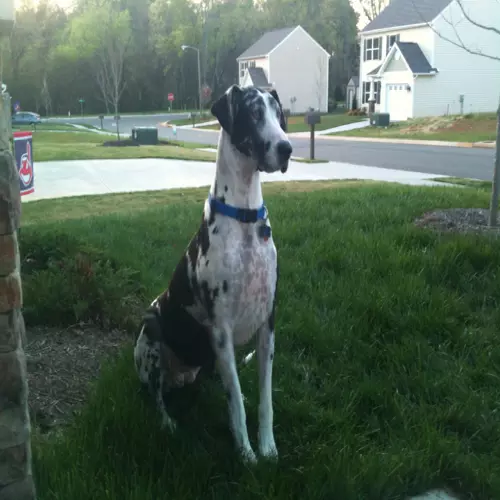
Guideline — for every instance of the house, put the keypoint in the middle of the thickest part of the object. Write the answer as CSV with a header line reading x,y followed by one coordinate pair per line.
x,y
412,63
292,62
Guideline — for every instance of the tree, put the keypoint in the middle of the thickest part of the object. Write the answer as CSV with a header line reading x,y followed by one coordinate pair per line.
x,y
320,82
454,19
371,8
102,35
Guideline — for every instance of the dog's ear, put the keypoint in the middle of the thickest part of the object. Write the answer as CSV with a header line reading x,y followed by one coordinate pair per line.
x,y
226,107
282,114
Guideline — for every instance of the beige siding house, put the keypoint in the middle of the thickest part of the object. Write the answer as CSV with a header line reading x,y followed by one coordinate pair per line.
x,y
412,65
292,62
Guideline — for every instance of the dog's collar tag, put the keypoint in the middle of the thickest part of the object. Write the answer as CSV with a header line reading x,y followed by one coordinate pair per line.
x,y
264,232
246,215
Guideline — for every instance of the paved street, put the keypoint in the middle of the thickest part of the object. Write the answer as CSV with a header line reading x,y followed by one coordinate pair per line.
x,y
443,160
127,122
460,162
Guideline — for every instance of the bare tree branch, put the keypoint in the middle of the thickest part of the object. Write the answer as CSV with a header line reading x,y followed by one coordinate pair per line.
x,y
459,42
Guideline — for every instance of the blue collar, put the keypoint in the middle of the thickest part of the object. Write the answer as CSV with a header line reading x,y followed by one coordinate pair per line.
x,y
247,215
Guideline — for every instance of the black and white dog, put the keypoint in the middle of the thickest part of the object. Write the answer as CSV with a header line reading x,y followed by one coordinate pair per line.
x,y
223,290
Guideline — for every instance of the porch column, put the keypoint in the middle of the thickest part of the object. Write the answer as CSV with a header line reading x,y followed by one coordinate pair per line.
x,y
371,98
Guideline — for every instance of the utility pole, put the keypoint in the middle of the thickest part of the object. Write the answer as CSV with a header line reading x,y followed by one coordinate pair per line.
x,y
495,188
186,47
16,479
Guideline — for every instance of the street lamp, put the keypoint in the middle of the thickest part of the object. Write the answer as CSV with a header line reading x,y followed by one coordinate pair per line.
x,y
187,47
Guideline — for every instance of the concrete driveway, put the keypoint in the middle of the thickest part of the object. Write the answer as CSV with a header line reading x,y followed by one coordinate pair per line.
x,y
86,177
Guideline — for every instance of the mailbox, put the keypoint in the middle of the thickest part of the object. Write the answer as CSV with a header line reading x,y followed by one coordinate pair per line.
x,y
312,118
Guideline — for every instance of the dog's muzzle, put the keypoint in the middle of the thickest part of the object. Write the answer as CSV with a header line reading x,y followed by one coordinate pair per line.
x,y
284,153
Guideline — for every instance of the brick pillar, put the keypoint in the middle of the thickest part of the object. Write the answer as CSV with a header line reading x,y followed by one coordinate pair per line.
x,y
16,481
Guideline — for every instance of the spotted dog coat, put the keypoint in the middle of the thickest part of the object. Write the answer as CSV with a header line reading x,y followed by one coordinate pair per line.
x,y
223,289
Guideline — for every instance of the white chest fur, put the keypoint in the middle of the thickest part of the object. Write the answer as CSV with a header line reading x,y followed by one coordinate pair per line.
x,y
242,267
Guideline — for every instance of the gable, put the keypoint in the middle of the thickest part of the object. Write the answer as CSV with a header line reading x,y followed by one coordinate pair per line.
x,y
266,43
396,64
399,13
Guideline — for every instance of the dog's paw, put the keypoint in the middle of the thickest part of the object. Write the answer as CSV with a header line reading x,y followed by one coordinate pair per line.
x,y
267,448
248,456
168,424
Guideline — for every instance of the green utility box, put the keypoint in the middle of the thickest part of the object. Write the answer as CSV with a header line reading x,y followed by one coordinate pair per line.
x,y
380,119
145,135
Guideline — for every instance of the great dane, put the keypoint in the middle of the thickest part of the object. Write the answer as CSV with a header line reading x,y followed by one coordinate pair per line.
x,y
223,290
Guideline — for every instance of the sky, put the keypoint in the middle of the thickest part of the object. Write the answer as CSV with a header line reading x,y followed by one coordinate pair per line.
x,y
67,3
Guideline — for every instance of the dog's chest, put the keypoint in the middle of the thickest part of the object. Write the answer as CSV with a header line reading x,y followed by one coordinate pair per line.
x,y
242,265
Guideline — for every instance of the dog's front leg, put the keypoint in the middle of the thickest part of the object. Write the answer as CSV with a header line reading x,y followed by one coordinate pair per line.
x,y
226,364
265,355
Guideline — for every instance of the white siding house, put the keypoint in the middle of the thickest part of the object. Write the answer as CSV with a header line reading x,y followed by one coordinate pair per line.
x,y
292,62
413,65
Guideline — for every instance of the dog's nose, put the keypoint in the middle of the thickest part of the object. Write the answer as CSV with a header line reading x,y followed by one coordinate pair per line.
x,y
284,150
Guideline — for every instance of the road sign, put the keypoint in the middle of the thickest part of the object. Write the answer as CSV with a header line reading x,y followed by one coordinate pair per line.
x,y
81,101
170,96
206,91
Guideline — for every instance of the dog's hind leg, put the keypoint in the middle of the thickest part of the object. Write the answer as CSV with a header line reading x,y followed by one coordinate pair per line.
x,y
226,364
148,360
265,355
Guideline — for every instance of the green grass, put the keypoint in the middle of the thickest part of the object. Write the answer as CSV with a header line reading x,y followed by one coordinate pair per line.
x,y
295,123
473,183
468,128
49,146
386,375
308,160
44,127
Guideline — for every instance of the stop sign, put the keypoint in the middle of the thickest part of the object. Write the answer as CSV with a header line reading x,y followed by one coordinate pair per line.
x,y
170,96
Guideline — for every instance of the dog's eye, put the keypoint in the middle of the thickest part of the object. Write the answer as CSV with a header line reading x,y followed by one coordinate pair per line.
x,y
257,114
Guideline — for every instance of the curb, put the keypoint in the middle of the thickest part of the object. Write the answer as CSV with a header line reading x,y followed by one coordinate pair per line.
x,y
420,142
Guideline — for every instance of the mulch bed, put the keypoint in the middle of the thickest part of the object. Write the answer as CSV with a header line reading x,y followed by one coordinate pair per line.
x,y
61,365
458,220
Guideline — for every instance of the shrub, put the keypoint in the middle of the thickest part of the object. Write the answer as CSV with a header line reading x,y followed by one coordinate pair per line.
x,y
66,281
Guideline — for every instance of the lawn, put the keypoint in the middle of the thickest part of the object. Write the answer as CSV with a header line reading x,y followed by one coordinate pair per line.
x,y
52,146
387,367
296,123
467,128
44,127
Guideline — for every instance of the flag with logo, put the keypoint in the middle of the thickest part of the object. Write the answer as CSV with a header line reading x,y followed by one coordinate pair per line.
x,y
23,150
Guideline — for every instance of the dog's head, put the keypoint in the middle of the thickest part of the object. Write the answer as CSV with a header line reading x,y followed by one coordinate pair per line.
x,y
255,122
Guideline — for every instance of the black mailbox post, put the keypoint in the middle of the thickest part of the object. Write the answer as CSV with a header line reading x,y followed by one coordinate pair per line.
x,y
286,113
312,118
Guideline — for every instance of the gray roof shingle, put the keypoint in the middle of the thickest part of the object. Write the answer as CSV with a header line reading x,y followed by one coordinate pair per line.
x,y
406,13
415,57
266,43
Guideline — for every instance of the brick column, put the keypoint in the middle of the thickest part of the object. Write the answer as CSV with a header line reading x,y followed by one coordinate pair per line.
x,y
16,481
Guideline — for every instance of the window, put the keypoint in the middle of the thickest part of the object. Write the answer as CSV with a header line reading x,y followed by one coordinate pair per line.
x,y
243,67
373,49
251,64
391,39
366,92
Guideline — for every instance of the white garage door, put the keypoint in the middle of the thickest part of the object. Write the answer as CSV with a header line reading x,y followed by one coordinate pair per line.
x,y
398,101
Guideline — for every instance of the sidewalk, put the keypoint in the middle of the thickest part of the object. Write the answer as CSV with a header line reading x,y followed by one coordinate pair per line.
x,y
419,142
87,177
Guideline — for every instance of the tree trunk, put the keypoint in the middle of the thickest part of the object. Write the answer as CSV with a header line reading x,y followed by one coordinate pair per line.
x,y
16,481
495,188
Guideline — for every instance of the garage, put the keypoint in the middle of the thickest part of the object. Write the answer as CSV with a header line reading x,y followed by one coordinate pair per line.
x,y
398,101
